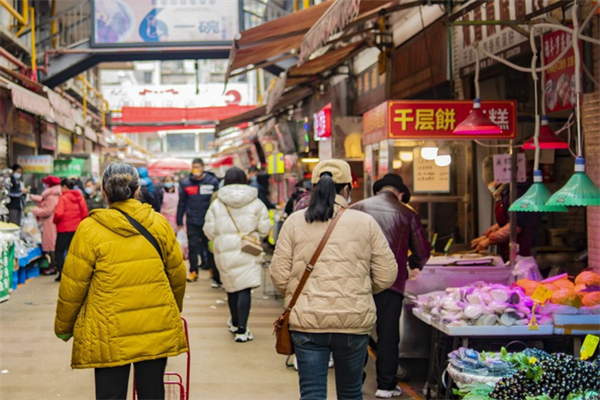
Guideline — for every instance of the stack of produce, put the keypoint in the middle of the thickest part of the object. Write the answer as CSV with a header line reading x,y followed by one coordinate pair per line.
x,y
481,304
583,292
541,376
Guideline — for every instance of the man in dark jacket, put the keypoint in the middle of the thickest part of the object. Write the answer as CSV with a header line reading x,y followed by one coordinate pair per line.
x,y
17,195
194,199
402,228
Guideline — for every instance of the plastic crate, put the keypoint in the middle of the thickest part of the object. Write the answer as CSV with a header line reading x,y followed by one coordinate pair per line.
x,y
32,272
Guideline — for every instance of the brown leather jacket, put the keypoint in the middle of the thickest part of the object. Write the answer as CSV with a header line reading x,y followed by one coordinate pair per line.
x,y
402,228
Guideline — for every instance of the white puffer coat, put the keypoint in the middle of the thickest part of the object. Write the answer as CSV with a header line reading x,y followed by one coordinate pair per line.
x,y
238,270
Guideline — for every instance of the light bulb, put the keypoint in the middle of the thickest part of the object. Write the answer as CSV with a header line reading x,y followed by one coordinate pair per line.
x,y
397,164
406,156
443,161
429,153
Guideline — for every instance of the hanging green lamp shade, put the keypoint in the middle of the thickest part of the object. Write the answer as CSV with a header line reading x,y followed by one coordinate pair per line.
x,y
534,200
579,190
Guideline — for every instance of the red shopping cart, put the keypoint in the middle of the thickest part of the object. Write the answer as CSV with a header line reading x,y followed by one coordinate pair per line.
x,y
175,387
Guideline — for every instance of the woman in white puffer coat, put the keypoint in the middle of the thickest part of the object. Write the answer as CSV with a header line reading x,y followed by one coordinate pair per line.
x,y
240,271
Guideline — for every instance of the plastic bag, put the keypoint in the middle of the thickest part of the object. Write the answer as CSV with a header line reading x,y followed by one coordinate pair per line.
x,y
527,268
183,243
30,230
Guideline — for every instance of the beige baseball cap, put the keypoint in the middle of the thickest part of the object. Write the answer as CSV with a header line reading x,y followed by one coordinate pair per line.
x,y
339,170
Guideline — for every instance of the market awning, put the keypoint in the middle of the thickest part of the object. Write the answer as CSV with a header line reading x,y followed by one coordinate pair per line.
x,y
273,41
26,100
324,63
153,119
260,114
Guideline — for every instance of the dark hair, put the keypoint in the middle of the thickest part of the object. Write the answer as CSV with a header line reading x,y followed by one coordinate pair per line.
x,y
235,176
16,167
253,169
90,181
198,161
120,181
322,199
69,183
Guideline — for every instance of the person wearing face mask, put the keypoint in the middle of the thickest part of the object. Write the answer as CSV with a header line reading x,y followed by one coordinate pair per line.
x,y
195,193
17,195
169,198
499,233
93,197
402,228
44,213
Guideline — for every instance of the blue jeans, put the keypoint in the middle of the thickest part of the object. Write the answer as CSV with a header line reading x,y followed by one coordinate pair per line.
x,y
312,354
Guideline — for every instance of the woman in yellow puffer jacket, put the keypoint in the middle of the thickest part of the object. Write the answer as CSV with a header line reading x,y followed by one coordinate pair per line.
x,y
119,301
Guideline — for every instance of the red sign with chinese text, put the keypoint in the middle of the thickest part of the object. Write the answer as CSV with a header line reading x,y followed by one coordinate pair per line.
x,y
432,119
322,123
560,79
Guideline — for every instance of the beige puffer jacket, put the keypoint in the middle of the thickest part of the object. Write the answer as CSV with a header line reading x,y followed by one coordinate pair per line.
x,y
356,263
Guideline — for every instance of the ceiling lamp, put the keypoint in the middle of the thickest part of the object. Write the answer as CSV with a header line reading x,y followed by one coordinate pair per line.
x,y
443,158
406,156
429,151
547,139
535,199
477,123
579,190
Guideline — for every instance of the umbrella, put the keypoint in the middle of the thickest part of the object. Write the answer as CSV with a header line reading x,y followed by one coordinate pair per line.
x,y
168,166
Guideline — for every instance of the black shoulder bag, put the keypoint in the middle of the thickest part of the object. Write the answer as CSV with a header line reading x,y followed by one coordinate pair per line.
x,y
146,234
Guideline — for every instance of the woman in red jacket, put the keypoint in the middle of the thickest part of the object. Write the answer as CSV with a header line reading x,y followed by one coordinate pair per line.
x,y
70,211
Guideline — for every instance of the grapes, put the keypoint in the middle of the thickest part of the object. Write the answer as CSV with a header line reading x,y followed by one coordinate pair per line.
x,y
561,376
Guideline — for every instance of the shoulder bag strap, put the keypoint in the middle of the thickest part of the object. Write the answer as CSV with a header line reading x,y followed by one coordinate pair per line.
x,y
233,220
145,233
314,259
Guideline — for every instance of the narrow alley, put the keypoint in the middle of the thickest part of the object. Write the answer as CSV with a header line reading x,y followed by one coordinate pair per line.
x,y
36,365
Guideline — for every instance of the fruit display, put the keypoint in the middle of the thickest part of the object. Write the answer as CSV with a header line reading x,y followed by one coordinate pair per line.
x,y
540,376
481,304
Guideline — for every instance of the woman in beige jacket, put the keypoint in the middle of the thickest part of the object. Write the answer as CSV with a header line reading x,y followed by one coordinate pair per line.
x,y
335,312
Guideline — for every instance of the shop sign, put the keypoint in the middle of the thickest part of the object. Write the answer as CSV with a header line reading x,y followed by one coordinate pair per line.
x,y
65,144
68,168
428,119
276,164
502,168
26,129
36,164
48,137
415,70
370,89
500,40
428,177
322,123
560,79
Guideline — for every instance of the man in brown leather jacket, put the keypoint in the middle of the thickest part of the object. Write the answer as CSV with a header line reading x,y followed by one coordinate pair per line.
x,y
402,228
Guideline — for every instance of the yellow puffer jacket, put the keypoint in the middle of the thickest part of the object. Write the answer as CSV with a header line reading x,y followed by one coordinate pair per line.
x,y
116,298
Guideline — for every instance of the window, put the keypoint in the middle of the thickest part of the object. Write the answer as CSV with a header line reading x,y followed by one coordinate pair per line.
x,y
181,142
205,140
147,77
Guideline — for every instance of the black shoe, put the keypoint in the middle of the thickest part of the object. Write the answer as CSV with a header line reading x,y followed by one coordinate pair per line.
x,y
57,279
49,271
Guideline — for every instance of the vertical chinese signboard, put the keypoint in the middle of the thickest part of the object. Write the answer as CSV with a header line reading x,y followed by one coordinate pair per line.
x,y
424,119
560,79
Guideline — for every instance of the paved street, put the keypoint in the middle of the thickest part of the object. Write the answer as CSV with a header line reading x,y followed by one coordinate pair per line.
x,y
36,365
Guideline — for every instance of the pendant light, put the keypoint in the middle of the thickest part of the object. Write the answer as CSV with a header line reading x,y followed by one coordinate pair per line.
x,y
443,158
535,199
547,139
580,190
429,151
477,123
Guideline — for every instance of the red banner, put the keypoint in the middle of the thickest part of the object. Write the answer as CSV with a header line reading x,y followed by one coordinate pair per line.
x,y
431,119
560,79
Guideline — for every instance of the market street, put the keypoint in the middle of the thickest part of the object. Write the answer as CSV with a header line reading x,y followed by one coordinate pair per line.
x,y
36,365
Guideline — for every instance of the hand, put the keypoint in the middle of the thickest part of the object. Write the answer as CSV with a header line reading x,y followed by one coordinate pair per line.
x,y
414,274
483,245
25,191
475,242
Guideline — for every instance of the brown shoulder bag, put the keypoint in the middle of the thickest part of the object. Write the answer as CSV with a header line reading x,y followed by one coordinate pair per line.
x,y
281,330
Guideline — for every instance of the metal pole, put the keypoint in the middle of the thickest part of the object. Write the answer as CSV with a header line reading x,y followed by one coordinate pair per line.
x,y
33,54
514,246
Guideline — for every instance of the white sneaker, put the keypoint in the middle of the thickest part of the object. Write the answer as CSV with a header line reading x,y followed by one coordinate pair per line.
x,y
244,337
388,394
215,285
232,328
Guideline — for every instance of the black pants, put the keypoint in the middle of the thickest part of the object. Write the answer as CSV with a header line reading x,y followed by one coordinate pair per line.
x,y
63,242
389,307
239,307
198,246
111,383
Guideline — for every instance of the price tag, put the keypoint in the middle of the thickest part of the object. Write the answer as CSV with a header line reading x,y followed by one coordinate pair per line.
x,y
533,325
541,295
589,346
